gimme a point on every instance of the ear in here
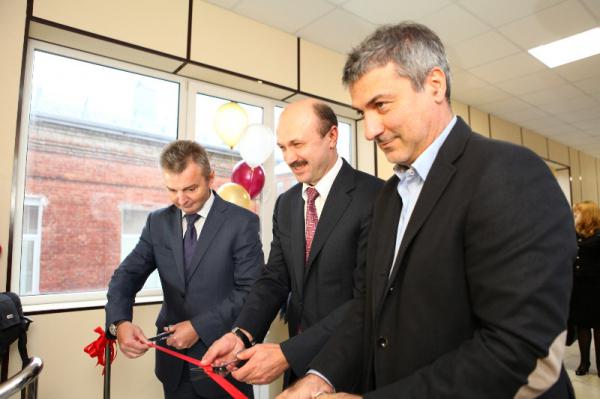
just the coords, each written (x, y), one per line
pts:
(436, 83)
(333, 137)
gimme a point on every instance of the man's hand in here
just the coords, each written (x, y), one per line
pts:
(131, 339)
(265, 363)
(184, 335)
(311, 386)
(223, 350)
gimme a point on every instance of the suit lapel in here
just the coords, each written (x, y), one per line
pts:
(337, 201)
(176, 234)
(211, 226)
(297, 238)
(438, 179)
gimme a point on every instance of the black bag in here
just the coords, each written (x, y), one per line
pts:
(13, 325)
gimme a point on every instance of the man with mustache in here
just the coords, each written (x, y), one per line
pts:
(470, 255)
(320, 229)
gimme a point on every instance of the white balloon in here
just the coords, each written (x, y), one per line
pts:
(256, 144)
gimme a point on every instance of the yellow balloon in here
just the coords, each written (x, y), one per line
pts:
(236, 194)
(230, 122)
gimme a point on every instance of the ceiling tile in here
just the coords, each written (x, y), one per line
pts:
(513, 66)
(541, 80)
(545, 122)
(339, 30)
(555, 94)
(565, 105)
(224, 3)
(593, 6)
(551, 24)
(579, 116)
(581, 69)
(590, 125)
(464, 81)
(590, 86)
(507, 105)
(522, 115)
(482, 95)
(391, 12)
(288, 16)
(498, 13)
(453, 24)
(338, 2)
(481, 49)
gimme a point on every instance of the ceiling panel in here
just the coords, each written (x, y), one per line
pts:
(561, 20)
(498, 13)
(557, 94)
(541, 80)
(288, 16)
(453, 24)
(482, 95)
(507, 68)
(481, 49)
(388, 12)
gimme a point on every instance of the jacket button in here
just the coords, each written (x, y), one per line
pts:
(382, 342)
(391, 289)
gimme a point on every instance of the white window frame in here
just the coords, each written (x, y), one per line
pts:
(40, 203)
(186, 124)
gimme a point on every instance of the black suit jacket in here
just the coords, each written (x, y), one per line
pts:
(480, 288)
(318, 289)
(227, 262)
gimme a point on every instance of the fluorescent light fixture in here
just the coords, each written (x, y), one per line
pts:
(569, 49)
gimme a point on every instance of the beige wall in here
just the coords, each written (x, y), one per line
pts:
(12, 29)
(242, 46)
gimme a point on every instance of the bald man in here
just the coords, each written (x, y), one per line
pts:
(320, 229)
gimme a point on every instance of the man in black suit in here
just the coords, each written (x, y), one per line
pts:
(205, 272)
(314, 268)
(470, 252)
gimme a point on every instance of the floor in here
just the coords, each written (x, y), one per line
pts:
(586, 386)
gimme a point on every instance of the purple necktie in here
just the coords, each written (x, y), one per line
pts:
(311, 219)
(190, 239)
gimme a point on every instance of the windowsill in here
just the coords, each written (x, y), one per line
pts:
(73, 305)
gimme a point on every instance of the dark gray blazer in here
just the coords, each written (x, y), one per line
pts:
(480, 288)
(318, 290)
(227, 262)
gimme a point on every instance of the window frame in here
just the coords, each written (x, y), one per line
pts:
(188, 88)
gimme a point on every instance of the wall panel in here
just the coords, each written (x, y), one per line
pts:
(558, 152)
(365, 150)
(589, 180)
(155, 24)
(575, 175)
(479, 121)
(321, 72)
(503, 130)
(461, 110)
(223, 39)
(535, 142)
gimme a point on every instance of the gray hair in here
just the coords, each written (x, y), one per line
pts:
(414, 48)
(177, 154)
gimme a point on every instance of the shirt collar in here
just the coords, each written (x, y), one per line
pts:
(422, 165)
(323, 186)
(203, 212)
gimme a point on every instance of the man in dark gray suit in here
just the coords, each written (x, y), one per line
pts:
(208, 255)
(320, 229)
(470, 253)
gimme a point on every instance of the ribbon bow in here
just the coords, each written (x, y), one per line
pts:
(98, 347)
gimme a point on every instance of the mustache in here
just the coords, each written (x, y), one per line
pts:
(298, 164)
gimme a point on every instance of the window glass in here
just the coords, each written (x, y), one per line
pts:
(93, 142)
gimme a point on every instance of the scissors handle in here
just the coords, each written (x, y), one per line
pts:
(160, 337)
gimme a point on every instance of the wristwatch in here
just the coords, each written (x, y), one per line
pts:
(237, 331)
(112, 328)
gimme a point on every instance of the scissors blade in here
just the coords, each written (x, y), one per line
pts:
(160, 337)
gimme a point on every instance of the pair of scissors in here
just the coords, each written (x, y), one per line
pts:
(160, 337)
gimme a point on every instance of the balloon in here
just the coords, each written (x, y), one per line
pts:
(230, 122)
(236, 194)
(252, 179)
(256, 144)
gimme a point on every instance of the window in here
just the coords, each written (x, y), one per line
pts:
(91, 134)
(31, 245)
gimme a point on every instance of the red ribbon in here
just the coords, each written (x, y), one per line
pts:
(223, 383)
(98, 347)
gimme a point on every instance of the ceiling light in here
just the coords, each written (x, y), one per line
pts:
(569, 49)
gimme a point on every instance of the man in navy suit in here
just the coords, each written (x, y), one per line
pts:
(470, 255)
(317, 254)
(208, 255)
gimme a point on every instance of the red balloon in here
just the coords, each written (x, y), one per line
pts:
(252, 179)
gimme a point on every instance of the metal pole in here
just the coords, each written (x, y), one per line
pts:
(107, 371)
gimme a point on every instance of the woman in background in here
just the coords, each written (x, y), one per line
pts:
(585, 301)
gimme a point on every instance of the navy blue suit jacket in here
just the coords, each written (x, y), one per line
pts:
(227, 262)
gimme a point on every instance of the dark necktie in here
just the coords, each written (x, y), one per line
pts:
(190, 239)
(311, 219)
